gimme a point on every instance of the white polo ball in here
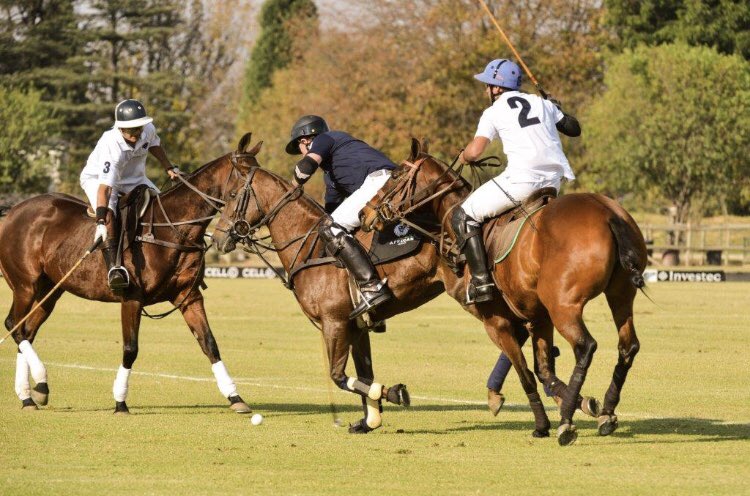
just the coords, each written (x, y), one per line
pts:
(256, 419)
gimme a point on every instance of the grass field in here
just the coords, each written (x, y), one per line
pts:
(684, 418)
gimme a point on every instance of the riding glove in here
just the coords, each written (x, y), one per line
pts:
(100, 233)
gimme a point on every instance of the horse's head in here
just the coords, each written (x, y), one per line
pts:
(241, 208)
(421, 179)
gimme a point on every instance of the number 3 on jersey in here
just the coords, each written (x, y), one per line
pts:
(106, 166)
(523, 115)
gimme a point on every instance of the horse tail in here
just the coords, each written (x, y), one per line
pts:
(627, 250)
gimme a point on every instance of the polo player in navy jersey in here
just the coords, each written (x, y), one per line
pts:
(354, 173)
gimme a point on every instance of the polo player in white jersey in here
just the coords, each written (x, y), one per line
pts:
(116, 166)
(528, 127)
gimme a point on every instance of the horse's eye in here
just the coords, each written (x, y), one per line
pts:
(233, 195)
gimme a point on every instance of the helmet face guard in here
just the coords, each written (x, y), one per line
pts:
(309, 125)
(130, 114)
(503, 73)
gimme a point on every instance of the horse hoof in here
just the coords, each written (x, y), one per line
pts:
(121, 408)
(495, 401)
(607, 424)
(239, 406)
(40, 394)
(566, 434)
(28, 405)
(360, 427)
(398, 395)
(591, 406)
(540, 433)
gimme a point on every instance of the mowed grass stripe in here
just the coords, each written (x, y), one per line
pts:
(691, 379)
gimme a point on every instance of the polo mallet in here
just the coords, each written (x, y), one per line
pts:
(512, 48)
(36, 307)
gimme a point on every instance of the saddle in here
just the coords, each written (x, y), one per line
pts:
(510, 222)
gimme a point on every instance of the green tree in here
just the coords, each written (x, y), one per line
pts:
(673, 123)
(723, 24)
(282, 22)
(28, 134)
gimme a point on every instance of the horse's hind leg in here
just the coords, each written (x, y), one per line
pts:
(542, 337)
(568, 319)
(620, 297)
(28, 362)
(195, 317)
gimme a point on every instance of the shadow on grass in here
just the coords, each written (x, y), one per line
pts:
(630, 431)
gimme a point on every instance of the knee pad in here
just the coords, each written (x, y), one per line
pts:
(464, 226)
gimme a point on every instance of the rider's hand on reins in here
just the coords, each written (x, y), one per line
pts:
(174, 172)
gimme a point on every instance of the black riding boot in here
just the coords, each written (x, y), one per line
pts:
(349, 252)
(117, 276)
(469, 236)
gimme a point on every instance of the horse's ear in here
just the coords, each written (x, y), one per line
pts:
(244, 141)
(425, 145)
(255, 149)
(416, 149)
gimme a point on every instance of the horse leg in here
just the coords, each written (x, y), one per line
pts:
(544, 367)
(362, 356)
(338, 340)
(130, 315)
(195, 317)
(28, 362)
(568, 319)
(620, 301)
(502, 334)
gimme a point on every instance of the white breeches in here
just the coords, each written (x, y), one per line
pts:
(347, 214)
(91, 187)
(492, 198)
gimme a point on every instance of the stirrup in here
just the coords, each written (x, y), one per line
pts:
(122, 271)
(481, 294)
(381, 295)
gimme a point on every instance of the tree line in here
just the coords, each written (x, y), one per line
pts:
(661, 87)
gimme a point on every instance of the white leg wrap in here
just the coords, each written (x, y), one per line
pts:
(376, 391)
(23, 388)
(120, 387)
(373, 414)
(225, 383)
(38, 372)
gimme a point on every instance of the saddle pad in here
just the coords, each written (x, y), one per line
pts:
(509, 235)
(394, 241)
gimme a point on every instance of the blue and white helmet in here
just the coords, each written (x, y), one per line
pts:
(501, 72)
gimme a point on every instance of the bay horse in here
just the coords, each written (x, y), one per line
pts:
(43, 236)
(569, 252)
(322, 289)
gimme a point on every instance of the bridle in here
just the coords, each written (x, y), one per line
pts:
(403, 198)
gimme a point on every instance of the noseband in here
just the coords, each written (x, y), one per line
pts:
(241, 230)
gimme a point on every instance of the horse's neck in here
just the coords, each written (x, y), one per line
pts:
(296, 219)
(182, 203)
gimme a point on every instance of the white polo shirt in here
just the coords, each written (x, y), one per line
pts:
(526, 125)
(115, 163)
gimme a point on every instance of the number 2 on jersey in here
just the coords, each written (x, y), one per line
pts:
(523, 115)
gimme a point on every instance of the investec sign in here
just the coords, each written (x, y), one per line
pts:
(239, 272)
(653, 275)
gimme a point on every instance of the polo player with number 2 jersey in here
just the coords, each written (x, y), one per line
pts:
(528, 126)
(117, 166)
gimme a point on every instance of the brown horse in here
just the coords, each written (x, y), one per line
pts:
(577, 247)
(322, 288)
(42, 237)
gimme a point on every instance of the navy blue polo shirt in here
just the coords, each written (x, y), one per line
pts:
(346, 162)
